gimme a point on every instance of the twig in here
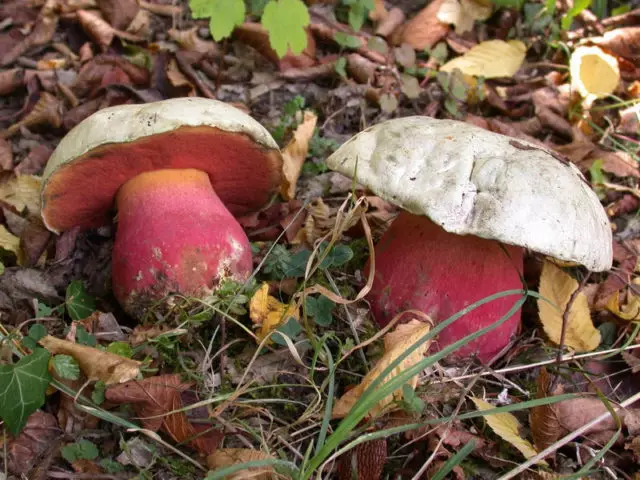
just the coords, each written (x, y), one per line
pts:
(192, 75)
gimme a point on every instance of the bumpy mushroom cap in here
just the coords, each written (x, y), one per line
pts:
(115, 144)
(474, 182)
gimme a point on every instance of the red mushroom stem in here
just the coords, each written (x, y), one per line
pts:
(421, 266)
(174, 235)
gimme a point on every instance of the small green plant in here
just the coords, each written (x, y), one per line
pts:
(285, 20)
(82, 450)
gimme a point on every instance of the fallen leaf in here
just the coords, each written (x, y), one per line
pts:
(119, 13)
(153, 398)
(367, 459)
(267, 312)
(295, 153)
(463, 13)
(97, 28)
(10, 243)
(35, 161)
(480, 60)
(190, 40)
(425, 30)
(227, 457)
(594, 73)
(6, 154)
(46, 112)
(396, 343)
(621, 41)
(11, 80)
(379, 11)
(629, 120)
(41, 34)
(557, 287)
(507, 427)
(95, 364)
(545, 428)
(23, 192)
(630, 310)
(25, 450)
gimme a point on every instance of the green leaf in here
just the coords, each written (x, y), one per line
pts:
(22, 389)
(85, 338)
(37, 331)
(66, 367)
(291, 329)
(338, 256)
(285, 21)
(123, 348)
(341, 67)
(357, 13)
(346, 40)
(223, 15)
(79, 304)
(111, 466)
(97, 396)
(320, 309)
(578, 7)
(82, 450)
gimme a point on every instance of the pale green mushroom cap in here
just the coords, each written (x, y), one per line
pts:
(474, 182)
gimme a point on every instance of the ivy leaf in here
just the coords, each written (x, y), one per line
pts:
(285, 21)
(22, 390)
(320, 309)
(79, 304)
(224, 15)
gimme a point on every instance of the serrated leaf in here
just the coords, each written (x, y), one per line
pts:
(285, 20)
(82, 450)
(507, 427)
(557, 286)
(79, 304)
(22, 388)
(66, 367)
(224, 15)
(395, 343)
(480, 60)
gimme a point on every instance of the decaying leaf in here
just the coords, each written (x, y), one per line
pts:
(226, 457)
(594, 73)
(507, 427)
(629, 310)
(395, 343)
(23, 192)
(6, 154)
(557, 286)
(621, 41)
(154, 398)
(545, 428)
(46, 112)
(97, 28)
(191, 41)
(10, 243)
(295, 153)
(268, 312)
(38, 435)
(480, 60)
(95, 364)
(463, 13)
(119, 13)
(425, 30)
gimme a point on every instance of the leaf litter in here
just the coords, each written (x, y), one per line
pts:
(195, 377)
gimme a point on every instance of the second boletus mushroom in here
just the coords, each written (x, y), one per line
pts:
(472, 202)
(176, 171)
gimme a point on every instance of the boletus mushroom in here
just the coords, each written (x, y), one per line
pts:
(176, 171)
(472, 202)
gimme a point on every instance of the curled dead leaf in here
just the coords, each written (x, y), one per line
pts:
(626, 310)
(227, 457)
(396, 343)
(295, 153)
(47, 111)
(95, 364)
(557, 287)
(267, 312)
(623, 42)
(463, 13)
(22, 192)
(191, 41)
(425, 30)
(97, 28)
(119, 13)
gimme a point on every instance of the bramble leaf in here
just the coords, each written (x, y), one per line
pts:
(223, 15)
(22, 390)
(285, 21)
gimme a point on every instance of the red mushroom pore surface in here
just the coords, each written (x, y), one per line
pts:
(421, 266)
(174, 235)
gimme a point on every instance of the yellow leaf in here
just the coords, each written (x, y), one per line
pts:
(557, 286)
(95, 364)
(22, 191)
(631, 311)
(594, 73)
(482, 59)
(10, 243)
(507, 427)
(463, 13)
(295, 153)
(268, 312)
(226, 457)
(395, 343)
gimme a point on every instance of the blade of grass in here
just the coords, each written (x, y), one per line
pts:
(455, 460)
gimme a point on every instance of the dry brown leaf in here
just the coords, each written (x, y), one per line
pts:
(119, 13)
(97, 28)
(463, 13)
(23, 192)
(267, 312)
(545, 428)
(557, 287)
(379, 12)
(480, 60)
(35, 161)
(390, 23)
(41, 34)
(396, 343)
(630, 310)
(624, 42)
(507, 427)
(629, 120)
(594, 73)
(25, 450)
(11, 80)
(425, 30)
(95, 364)
(6, 154)
(191, 41)
(47, 111)
(227, 457)
(368, 459)
(153, 398)
(295, 153)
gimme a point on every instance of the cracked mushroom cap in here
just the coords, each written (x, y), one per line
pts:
(474, 182)
(115, 144)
